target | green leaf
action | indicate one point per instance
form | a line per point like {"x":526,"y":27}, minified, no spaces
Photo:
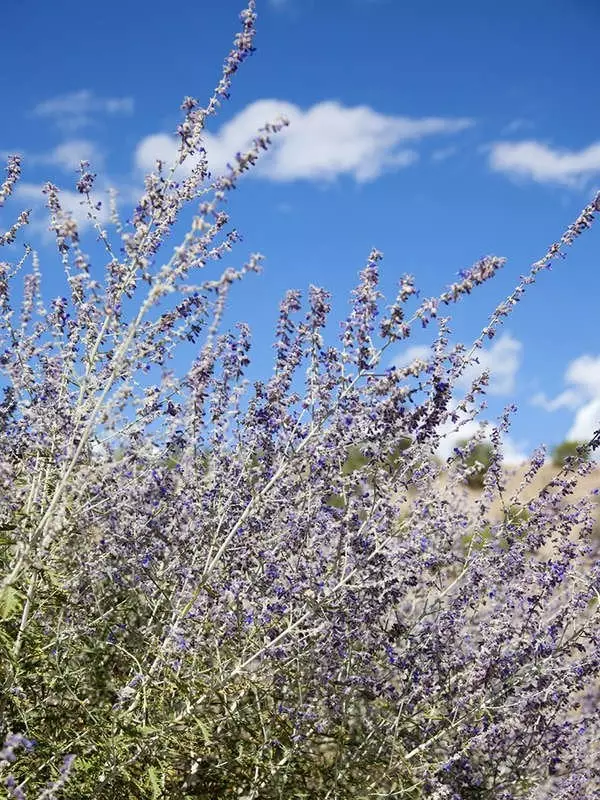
{"x":355,"y":460}
{"x":154,"y":783}
{"x":147,"y":730}
{"x":335,"y":500}
{"x":11,"y":602}
{"x":205,"y":732}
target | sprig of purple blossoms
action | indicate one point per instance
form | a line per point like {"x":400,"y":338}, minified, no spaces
{"x":8,"y":756}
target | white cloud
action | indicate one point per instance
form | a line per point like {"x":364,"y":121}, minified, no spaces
{"x":584,"y":372}
{"x":444,"y":153}
{"x":586,"y":422}
{"x":69,"y":200}
{"x":516,"y":125}
{"x":512,"y":452}
{"x":322,"y":143}
{"x":77,"y":109}
{"x":567,"y":399}
{"x":582,"y":395}
{"x":417,"y":351}
{"x":539,"y":162}
{"x":68,"y":155}
{"x":158,"y":146}
{"x":502,"y":360}
{"x":451,"y":438}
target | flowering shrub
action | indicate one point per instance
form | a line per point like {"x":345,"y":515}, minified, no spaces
{"x":185,"y":614}
{"x":569,"y":449}
{"x":479,"y":459}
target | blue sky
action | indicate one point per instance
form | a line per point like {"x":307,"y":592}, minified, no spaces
{"x":436,"y":132}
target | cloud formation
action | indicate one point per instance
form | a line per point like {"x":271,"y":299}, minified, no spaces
{"x":322,"y":143}
{"x":76,"y":110}
{"x":512,"y":452}
{"x":544,"y":164}
{"x":415,"y":352}
{"x":582,"y":396}
{"x":502,"y":361}
{"x":515,"y":125}
{"x":70,"y":201}
{"x":68,"y":155}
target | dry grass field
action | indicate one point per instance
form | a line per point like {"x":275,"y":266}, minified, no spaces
{"x":585,"y":485}
{"x":513,"y":494}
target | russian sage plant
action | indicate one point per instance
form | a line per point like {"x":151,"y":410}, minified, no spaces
{"x":213,"y":589}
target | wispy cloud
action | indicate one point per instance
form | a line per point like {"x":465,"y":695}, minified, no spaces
{"x":568,"y":399}
{"x":513,"y":453}
{"x":416,"y":352}
{"x":322,"y":143}
{"x":70,"y":201}
{"x":444,"y":153}
{"x":582,"y":396}
{"x":502,"y":361}
{"x":539,"y":162}
{"x":516,"y":125}
{"x":76,"y":110}
{"x":68,"y":155}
